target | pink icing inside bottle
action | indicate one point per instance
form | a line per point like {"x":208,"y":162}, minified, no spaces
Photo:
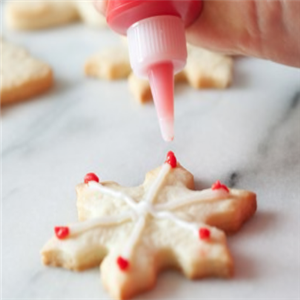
{"x":157,"y":45}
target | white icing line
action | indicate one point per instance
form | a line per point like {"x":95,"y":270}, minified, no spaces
{"x":145,"y":208}
{"x":107,"y":191}
{"x":185,"y":224}
{"x":102,"y":221}
{"x":134,"y":237}
{"x":157,"y":183}
{"x":207,"y":195}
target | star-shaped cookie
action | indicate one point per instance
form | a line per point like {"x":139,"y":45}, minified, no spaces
{"x":204,"y":69}
{"x":136,"y":232}
{"x":110,"y":64}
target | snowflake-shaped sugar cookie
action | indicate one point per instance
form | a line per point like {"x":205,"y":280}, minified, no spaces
{"x":136,"y":232}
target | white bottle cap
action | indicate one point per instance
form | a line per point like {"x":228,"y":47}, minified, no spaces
{"x":155,"y":44}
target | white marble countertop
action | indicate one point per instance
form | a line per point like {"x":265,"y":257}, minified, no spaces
{"x":247,"y":136}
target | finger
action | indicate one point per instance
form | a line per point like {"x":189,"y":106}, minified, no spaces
{"x":264,"y":29}
{"x":222,"y":25}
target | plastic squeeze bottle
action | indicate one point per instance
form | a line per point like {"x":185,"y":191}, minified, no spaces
{"x":157,"y":45}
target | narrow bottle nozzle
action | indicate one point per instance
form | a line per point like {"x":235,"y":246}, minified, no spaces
{"x":157,"y":50}
{"x":161,"y":80}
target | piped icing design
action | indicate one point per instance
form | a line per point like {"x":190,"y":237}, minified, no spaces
{"x":61,"y":232}
{"x":140,"y":211}
{"x":171,"y":159}
{"x":204,"y":233}
{"x":91,"y":177}
{"x":218,"y":185}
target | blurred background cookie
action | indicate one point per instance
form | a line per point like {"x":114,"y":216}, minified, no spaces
{"x":22,"y":76}
{"x":33,"y":15}
{"x":204,"y":70}
{"x":111,"y":64}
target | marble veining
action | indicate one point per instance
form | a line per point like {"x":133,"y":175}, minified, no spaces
{"x":292,"y":108}
{"x":233,"y":179}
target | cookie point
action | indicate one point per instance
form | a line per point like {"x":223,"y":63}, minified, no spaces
{"x":90,"y":177}
{"x":122,"y":263}
{"x":61,"y":232}
{"x":204,"y":233}
{"x":218,"y":185}
{"x":171,"y":159}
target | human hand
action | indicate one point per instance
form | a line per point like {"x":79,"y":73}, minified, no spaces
{"x":267,"y":29}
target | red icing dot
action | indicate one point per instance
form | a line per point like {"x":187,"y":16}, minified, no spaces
{"x":204,"y":233}
{"x":122,"y":263}
{"x":171,"y":159}
{"x":218,"y":185}
{"x":61,"y":232}
{"x":91,"y":177}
